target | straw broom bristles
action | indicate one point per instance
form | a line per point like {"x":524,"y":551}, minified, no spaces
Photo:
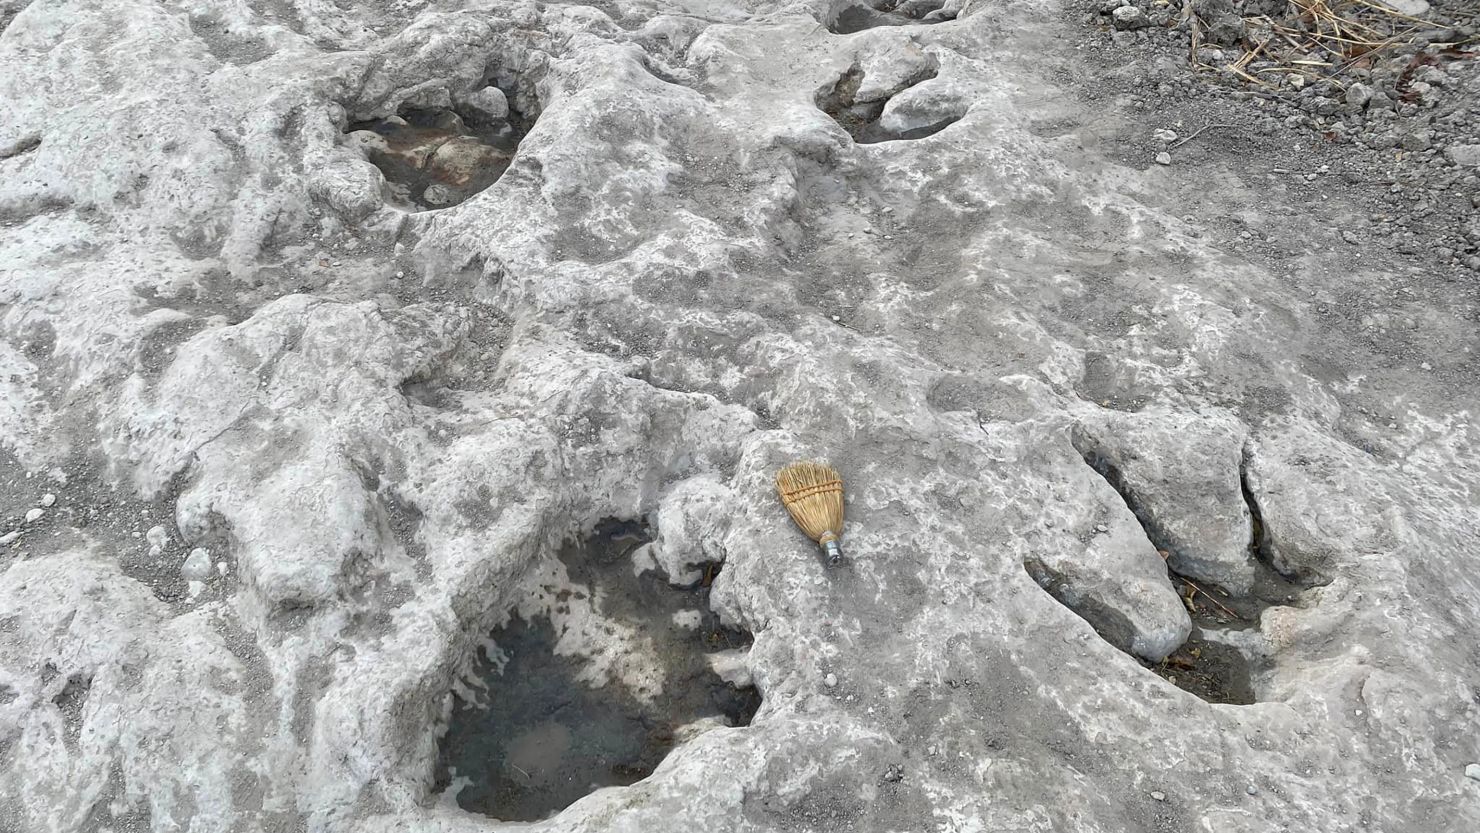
{"x":812,"y":493}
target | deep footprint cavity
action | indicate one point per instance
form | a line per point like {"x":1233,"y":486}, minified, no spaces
{"x":539,"y":737}
{"x":1205,"y":665}
{"x":435,"y":158}
{"x":862,"y":119}
{"x":846,"y":17}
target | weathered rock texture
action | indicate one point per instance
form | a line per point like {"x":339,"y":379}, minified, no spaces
{"x":217,"y":320}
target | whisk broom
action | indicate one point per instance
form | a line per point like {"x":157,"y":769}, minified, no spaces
{"x":812,"y":493}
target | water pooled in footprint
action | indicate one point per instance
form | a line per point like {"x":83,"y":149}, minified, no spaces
{"x":846,"y":17}
{"x":541,"y":737}
{"x":435,"y":158}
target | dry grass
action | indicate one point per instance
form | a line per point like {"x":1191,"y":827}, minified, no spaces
{"x":1318,"y":39}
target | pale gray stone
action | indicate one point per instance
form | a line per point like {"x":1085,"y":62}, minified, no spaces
{"x":1468,"y":155}
{"x":1128,"y":18}
{"x":197,"y":566}
{"x":636,"y":321}
{"x":489,"y":103}
{"x":1181,"y":474}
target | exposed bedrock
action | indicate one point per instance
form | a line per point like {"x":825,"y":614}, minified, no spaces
{"x":1181,"y":475}
{"x":293,"y":452}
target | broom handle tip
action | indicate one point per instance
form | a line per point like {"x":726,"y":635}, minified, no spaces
{"x":834,"y":552}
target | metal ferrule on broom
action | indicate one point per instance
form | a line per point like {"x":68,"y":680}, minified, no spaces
{"x":834,"y":550}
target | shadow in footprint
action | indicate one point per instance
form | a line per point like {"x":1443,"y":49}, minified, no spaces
{"x":846,"y":17}
{"x":862,"y":119}
{"x":1215,"y":672}
{"x":1206,"y":665}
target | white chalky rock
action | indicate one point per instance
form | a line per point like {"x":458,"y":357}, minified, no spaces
{"x":197,"y":566}
{"x":634,"y":322}
{"x":34,"y":514}
{"x":489,"y":103}
{"x":732,"y":666}
{"x":157,"y":538}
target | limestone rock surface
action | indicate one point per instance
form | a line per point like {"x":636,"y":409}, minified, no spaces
{"x":381,"y":420}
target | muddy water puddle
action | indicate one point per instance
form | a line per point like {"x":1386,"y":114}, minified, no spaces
{"x":435,"y":158}
{"x":541,"y":736}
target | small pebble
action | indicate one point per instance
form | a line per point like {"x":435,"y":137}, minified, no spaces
{"x":1101,"y":528}
{"x":831,"y":680}
{"x":1473,"y":772}
{"x":1163,"y":158}
{"x":197,"y":566}
{"x":34,"y":515}
{"x":1129,"y":18}
{"x":9,"y":536}
{"x":1158,"y":795}
{"x":1251,"y":790}
{"x":48,"y":499}
{"x":157,"y":537}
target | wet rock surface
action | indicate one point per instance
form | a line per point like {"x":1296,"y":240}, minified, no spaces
{"x":1158,"y":483}
{"x":434,"y":158}
{"x":536,"y":732}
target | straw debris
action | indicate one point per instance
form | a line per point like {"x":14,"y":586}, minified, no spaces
{"x":1315,"y":39}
